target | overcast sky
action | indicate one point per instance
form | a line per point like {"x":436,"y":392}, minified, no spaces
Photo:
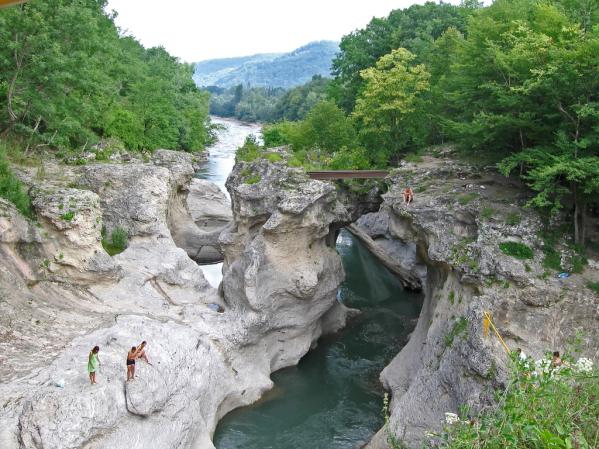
{"x":195,"y":30}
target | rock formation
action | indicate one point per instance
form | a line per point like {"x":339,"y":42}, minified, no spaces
{"x":62,"y":294}
{"x":449,"y":238}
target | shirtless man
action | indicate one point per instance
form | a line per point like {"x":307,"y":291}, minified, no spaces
{"x":131,"y":356}
{"x":142,"y":352}
{"x":408,"y":195}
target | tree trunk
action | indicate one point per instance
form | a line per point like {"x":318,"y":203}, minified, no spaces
{"x":576,"y":206}
{"x":580,"y":210}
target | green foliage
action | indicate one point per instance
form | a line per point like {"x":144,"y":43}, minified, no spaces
{"x":387,"y":108}
{"x":552,"y":259}
{"x":68,"y":216}
{"x":273,"y":157}
{"x":578,"y":260}
{"x":248,"y":104}
{"x":69,"y":79}
{"x":466,"y":198}
{"x":459,"y":327}
{"x":253,"y":179}
{"x":11,"y":188}
{"x":517,"y":250}
{"x":413,"y":157}
{"x":487,"y":213}
{"x":325,"y":138}
{"x":414,"y":28}
{"x":451,"y":297}
{"x":250,"y":150}
{"x":593,"y":286}
{"x":117,"y":242}
{"x":513,"y":219}
{"x":542,"y":407}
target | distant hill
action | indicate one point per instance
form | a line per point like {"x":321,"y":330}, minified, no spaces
{"x":269,"y":69}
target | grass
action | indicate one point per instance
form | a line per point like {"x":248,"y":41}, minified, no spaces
{"x":517,"y":250}
{"x":467,"y":198}
{"x":459,"y":327}
{"x":451,"y":297}
{"x":513,"y":219}
{"x":253,"y":179}
{"x":11,"y":188}
{"x":68,"y":216}
{"x":413,"y":157}
{"x":594,"y":286}
{"x":274,"y":157}
{"x":117,"y":242}
{"x":487,"y":213}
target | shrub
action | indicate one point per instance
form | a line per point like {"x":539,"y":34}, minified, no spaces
{"x":458,"y":328}
{"x":513,"y":219}
{"x":579,"y":259}
{"x":118,"y":241}
{"x":413,"y":157}
{"x":12,"y":189}
{"x":487,"y":212}
{"x":517,"y":250}
{"x":542,"y":407}
{"x":250,"y":150}
{"x":274,"y":157}
{"x":594,"y":286}
{"x":552,"y":259}
{"x":467,"y":197}
{"x":253,"y":179}
{"x":68,"y":216}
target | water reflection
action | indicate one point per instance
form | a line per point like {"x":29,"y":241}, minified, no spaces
{"x":333,"y":398}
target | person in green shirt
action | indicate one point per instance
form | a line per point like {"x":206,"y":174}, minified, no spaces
{"x":93,"y":362}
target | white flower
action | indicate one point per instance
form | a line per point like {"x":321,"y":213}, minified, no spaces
{"x":451,"y":418}
{"x":543,"y":366}
{"x":523,"y":356}
{"x":584,"y":365}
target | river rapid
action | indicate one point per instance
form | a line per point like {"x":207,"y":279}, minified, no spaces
{"x":333,"y":398}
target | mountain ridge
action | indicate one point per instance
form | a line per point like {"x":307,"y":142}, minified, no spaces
{"x":284,"y":70}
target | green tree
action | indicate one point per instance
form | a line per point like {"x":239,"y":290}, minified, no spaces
{"x":67,"y":79}
{"x":387,"y":110}
{"x":414,"y":28}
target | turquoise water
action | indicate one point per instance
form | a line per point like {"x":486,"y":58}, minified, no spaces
{"x":333,"y":398}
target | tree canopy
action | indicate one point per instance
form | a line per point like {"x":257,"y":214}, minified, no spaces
{"x":68,"y":79}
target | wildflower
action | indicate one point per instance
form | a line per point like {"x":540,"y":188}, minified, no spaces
{"x":584,"y":365}
{"x":451,"y":418}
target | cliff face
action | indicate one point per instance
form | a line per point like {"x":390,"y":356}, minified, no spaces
{"x":62,"y":294}
{"x":449,"y":237}
{"x":281,"y":268}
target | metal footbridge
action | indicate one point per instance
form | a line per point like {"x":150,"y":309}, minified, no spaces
{"x":348,"y":174}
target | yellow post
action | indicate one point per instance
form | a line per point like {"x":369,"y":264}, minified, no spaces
{"x":487,"y":321}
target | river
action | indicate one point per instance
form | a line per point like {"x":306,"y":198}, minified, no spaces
{"x":333,"y":398}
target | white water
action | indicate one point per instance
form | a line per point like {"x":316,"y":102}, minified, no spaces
{"x":221,"y":159}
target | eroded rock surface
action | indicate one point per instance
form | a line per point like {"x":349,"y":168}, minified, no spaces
{"x":449,"y":237}
{"x":62,"y":294}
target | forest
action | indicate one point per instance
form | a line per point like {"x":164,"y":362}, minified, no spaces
{"x":513,"y":84}
{"x":70,"y":80}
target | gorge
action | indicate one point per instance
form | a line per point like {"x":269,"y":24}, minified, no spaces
{"x":214,"y":350}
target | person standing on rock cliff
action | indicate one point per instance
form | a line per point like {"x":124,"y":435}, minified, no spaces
{"x":131,"y":356}
{"x":141,"y":352}
{"x":93,"y":361}
{"x":408,"y":195}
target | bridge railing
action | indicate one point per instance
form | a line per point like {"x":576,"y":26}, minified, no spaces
{"x":348,"y":174}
